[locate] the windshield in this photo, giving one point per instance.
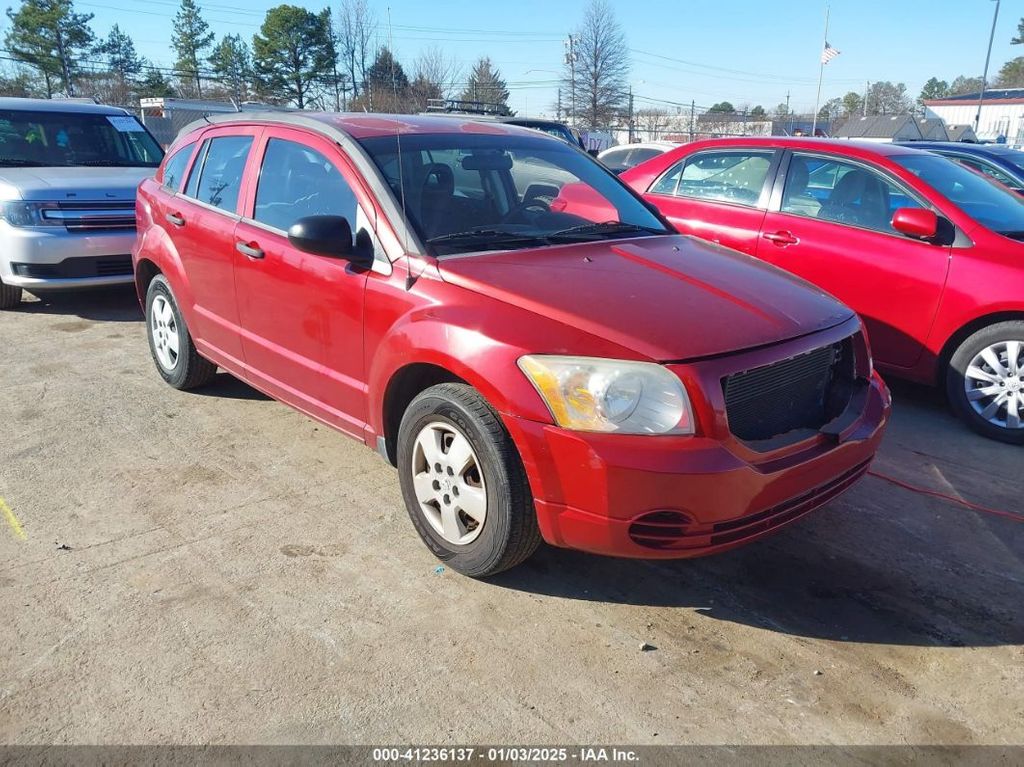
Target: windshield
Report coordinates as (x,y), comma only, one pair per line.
(472,192)
(66,139)
(987,202)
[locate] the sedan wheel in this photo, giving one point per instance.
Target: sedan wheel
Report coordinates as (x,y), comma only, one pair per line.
(164,332)
(177,360)
(985,381)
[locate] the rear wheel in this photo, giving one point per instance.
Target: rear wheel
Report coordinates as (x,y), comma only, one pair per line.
(177,360)
(463,482)
(985,381)
(10,296)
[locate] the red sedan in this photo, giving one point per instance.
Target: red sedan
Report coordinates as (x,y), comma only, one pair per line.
(419,284)
(928,252)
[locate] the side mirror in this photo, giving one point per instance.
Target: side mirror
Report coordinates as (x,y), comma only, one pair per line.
(331,237)
(593,152)
(916,222)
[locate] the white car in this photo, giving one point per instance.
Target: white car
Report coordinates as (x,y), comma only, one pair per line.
(625,156)
(68,175)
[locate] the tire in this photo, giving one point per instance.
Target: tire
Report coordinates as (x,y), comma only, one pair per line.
(508,532)
(10,296)
(984,413)
(181,367)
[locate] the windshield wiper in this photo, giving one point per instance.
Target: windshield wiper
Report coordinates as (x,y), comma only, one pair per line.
(20,162)
(603,229)
(113,164)
(484,237)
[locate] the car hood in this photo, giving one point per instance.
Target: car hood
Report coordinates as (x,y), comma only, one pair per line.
(670,298)
(56,184)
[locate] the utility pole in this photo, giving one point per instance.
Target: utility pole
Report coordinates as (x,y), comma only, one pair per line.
(867,94)
(693,114)
(570,59)
(821,75)
(984,77)
(558,106)
(630,125)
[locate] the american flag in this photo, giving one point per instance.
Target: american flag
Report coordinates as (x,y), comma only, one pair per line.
(828,53)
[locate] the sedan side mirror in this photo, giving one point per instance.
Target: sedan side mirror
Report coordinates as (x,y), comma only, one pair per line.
(328,236)
(916,222)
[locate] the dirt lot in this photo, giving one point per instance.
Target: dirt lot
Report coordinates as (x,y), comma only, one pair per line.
(214,567)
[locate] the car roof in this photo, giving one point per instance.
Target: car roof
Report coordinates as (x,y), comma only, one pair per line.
(964,146)
(666,145)
(838,146)
(58,105)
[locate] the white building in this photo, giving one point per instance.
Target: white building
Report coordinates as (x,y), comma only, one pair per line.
(1002,113)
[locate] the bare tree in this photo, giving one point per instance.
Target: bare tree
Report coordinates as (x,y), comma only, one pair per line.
(357,29)
(597,67)
(435,66)
(654,122)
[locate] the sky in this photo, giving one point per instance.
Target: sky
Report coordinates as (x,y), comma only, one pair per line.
(747,52)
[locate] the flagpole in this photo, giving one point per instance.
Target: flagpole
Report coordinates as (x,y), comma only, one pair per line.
(821,74)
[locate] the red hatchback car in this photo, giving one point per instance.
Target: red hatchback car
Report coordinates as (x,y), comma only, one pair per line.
(928,252)
(419,284)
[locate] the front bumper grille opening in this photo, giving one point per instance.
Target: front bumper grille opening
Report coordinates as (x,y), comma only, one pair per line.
(792,398)
(659,529)
(77,268)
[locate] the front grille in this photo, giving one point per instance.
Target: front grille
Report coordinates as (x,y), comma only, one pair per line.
(788,399)
(77,268)
(659,529)
(94,216)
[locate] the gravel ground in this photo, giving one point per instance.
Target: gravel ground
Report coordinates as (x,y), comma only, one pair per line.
(213,567)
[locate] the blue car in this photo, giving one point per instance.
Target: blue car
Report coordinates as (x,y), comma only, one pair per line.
(1000,162)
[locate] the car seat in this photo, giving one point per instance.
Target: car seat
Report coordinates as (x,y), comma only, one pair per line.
(796,199)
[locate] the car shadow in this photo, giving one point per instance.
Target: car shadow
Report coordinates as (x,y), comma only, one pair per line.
(112,304)
(882,564)
(226,386)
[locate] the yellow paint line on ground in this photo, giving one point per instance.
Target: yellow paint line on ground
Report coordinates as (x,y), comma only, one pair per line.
(19,531)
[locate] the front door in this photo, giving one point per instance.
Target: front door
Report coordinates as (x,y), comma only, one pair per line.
(832,226)
(717,195)
(301,314)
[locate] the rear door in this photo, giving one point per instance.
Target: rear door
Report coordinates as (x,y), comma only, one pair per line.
(201,221)
(302,314)
(719,195)
(830,223)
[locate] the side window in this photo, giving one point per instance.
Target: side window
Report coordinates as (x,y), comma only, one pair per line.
(989,170)
(667,184)
(736,177)
(216,177)
(174,168)
(833,190)
(295,182)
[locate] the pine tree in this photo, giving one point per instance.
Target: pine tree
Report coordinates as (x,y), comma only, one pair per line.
(154,83)
(50,36)
(191,39)
(231,63)
(119,50)
(291,54)
(485,84)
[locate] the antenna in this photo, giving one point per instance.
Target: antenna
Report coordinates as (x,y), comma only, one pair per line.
(409,279)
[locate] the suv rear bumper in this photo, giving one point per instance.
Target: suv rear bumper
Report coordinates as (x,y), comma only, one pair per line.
(57,259)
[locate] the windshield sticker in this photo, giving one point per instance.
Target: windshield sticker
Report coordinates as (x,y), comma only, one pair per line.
(125,123)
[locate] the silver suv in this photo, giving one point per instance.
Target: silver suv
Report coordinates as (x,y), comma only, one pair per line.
(68,175)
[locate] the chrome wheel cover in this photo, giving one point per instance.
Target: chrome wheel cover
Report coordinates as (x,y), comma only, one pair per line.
(449,483)
(163,330)
(994,384)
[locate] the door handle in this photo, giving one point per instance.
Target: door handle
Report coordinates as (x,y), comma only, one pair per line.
(249,250)
(782,239)
(175,218)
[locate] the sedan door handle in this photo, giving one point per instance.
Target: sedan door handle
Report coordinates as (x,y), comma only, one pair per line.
(249,250)
(175,218)
(782,239)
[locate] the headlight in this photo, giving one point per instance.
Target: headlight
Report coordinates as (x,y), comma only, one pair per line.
(17,213)
(593,394)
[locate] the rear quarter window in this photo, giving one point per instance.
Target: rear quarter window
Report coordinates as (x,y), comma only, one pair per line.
(174,168)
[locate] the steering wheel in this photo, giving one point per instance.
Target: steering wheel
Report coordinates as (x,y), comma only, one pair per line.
(520,213)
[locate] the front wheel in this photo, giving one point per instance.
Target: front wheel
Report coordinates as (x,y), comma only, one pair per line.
(985,381)
(463,482)
(10,296)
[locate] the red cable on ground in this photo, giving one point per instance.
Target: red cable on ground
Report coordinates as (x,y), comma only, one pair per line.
(951,498)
